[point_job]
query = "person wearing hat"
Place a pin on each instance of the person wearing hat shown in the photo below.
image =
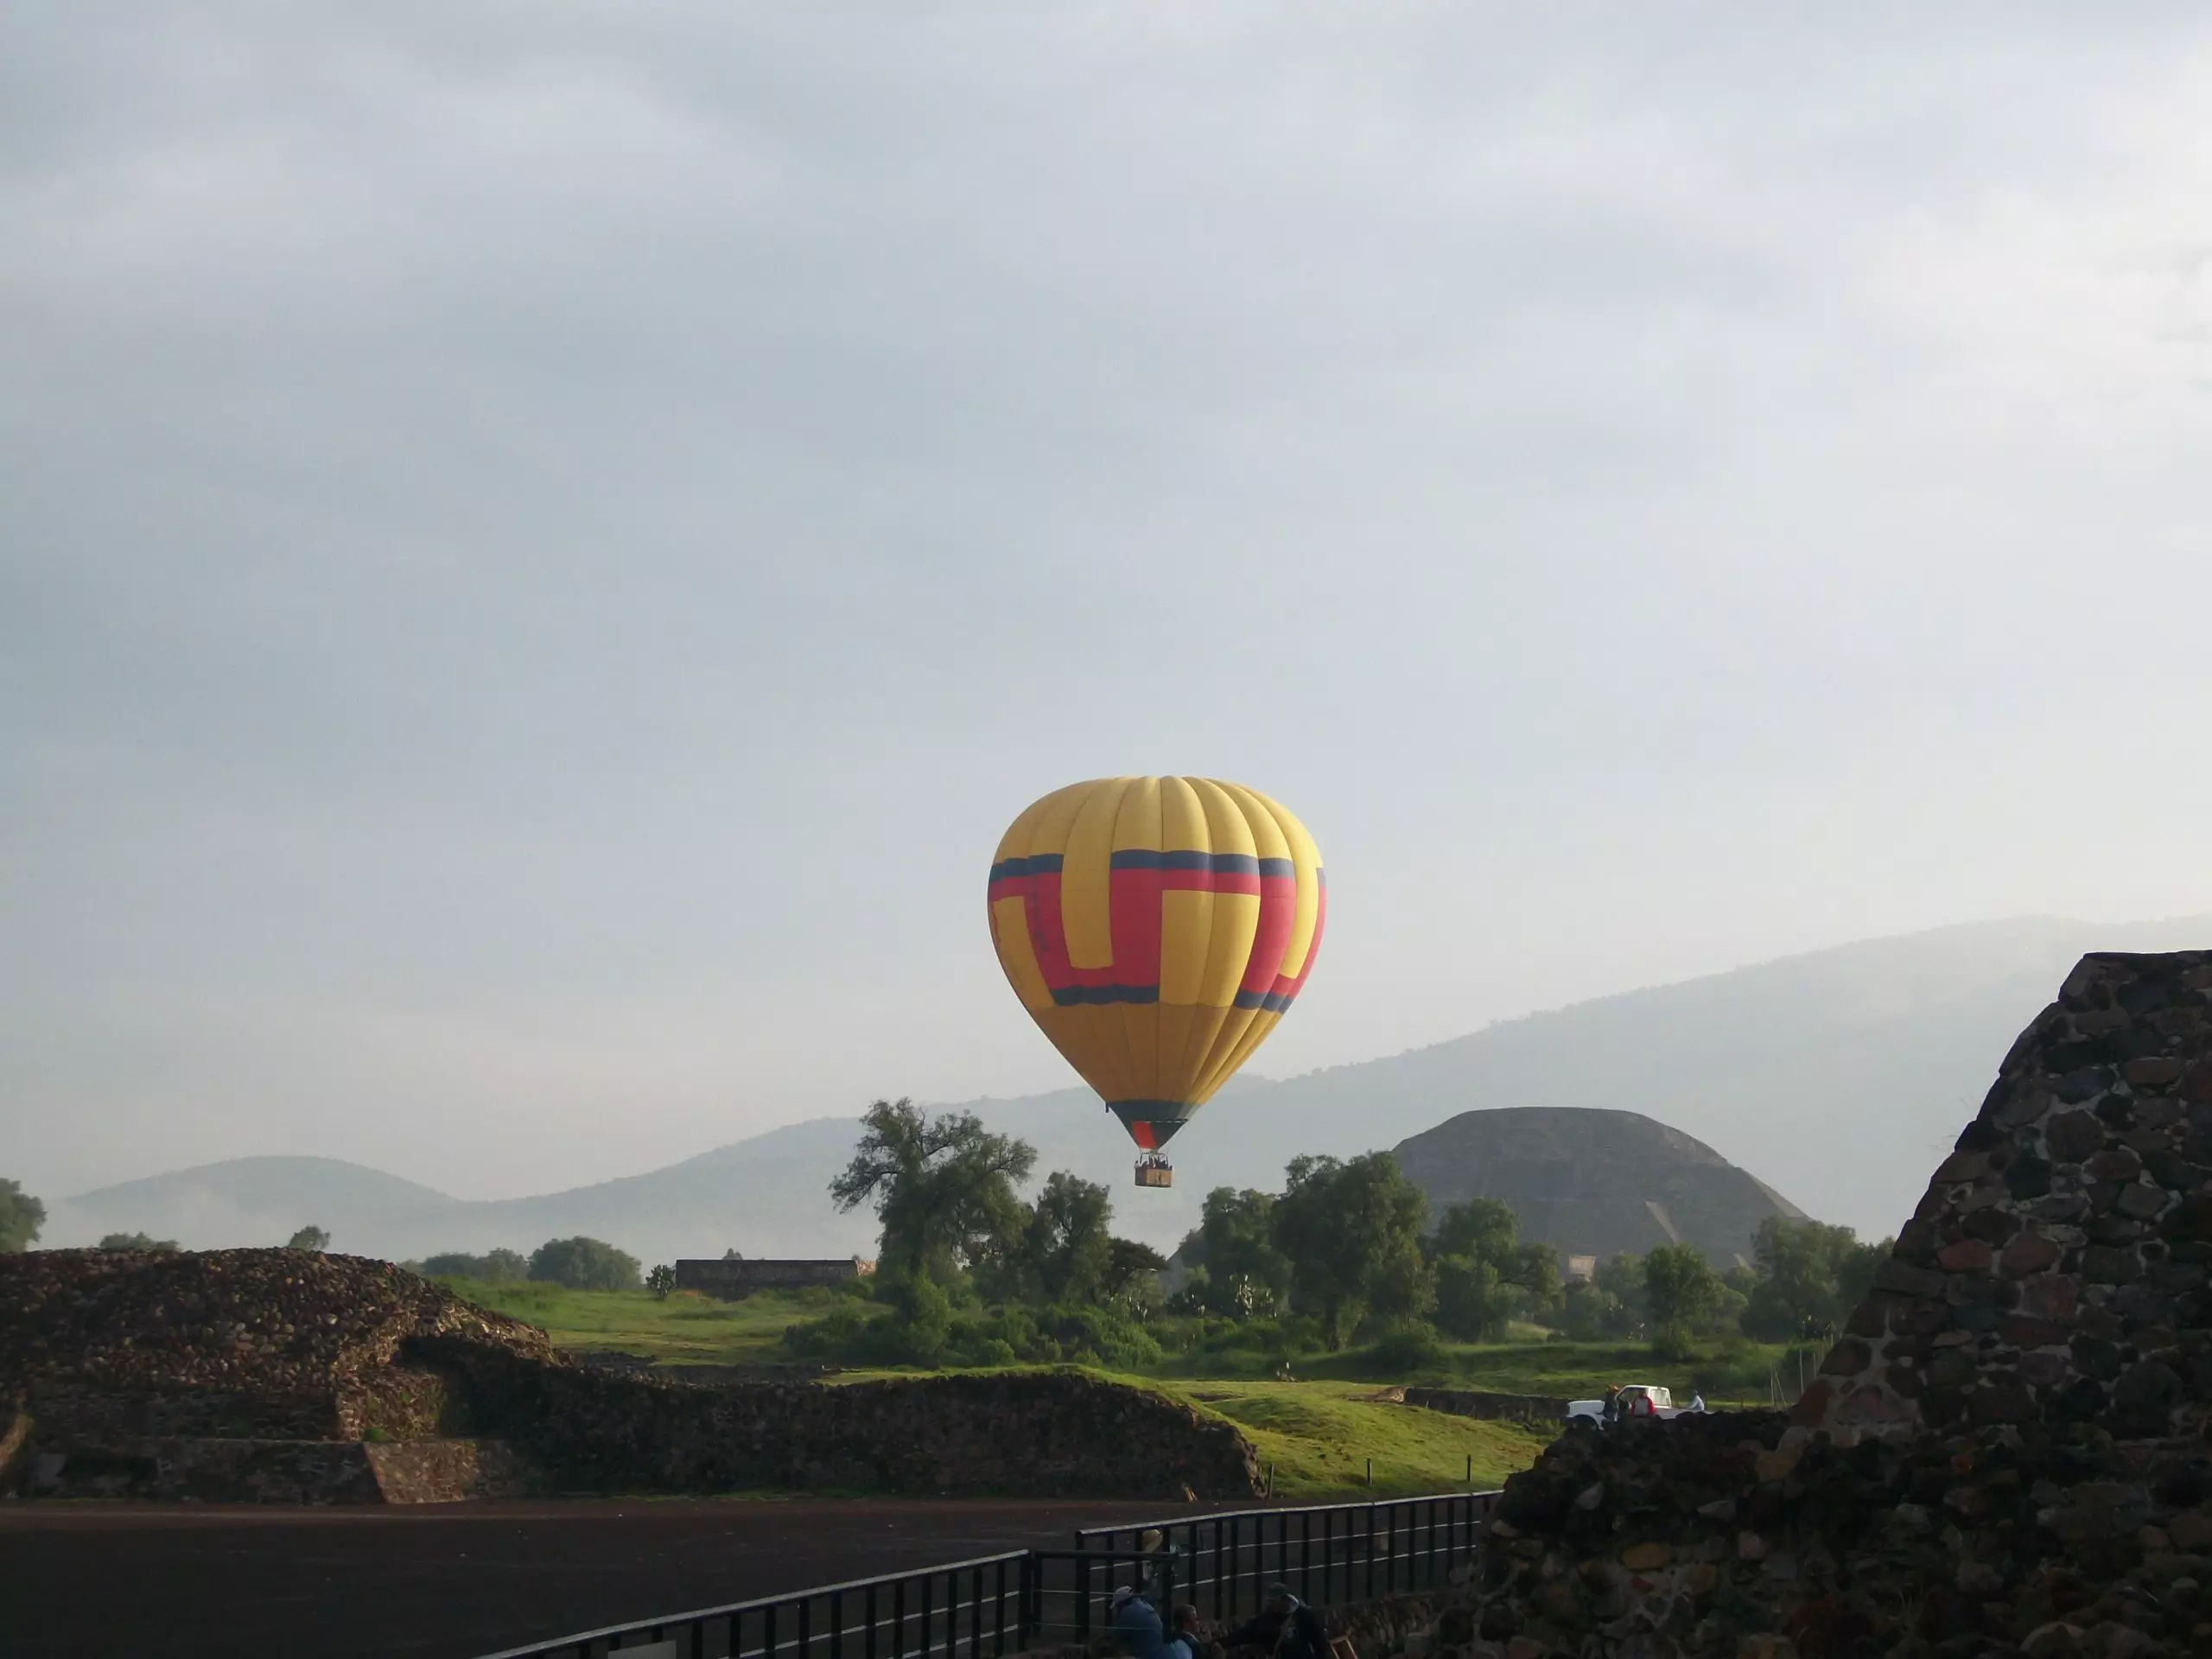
(1285, 1627)
(1134, 1625)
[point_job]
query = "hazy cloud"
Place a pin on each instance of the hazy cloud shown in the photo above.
(541, 544)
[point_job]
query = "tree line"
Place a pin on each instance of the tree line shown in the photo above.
(1349, 1244)
(23, 1218)
(1347, 1251)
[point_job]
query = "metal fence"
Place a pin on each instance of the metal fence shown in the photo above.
(1325, 1553)
(999, 1605)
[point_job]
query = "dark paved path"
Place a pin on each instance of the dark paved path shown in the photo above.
(100, 1581)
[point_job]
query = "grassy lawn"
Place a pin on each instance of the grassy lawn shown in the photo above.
(687, 1329)
(1318, 1432)
(1319, 1436)
(1732, 1374)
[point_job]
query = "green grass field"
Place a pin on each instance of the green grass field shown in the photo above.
(1318, 1432)
(687, 1329)
(1320, 1437)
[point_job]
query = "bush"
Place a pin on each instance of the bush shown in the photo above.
(661, 1281)
(309, 1238)
(494, 1267)
(1407, 1350)
(583, 1263)
(135, 1242)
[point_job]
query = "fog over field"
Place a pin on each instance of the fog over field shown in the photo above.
(540, 548)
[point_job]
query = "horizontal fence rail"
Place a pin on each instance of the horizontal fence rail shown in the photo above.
(1325, 1553)
(963, 1610)
(995, 1606)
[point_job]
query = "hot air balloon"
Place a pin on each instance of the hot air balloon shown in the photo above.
(1157, 929)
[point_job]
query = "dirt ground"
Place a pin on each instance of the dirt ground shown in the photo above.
(451, 1581)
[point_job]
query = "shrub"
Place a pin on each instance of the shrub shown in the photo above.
(661, 1281)
(1409, 1349)
(135, 1242)
(494, 1267)
(583, 1263)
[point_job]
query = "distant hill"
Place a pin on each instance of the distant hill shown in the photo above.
(1838, 1076)
(1595, 1182)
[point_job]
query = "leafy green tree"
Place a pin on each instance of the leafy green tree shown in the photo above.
(944, 1187)
(1351, 1232)
(493, 1267)
(1811, 1276)
(581, 1263)
(21, 1218)
(1062, 1251)
(1247, 1277)
(1484, 1274)
(309, 1238)
(1473, 1304)
(1127, 1262)
(135, 1242)
(661, 1282)
(1610, 1303)
(1680, 1288)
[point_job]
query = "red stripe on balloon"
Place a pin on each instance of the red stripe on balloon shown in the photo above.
(1133, 910)
(1278, 912)
(1285, 986)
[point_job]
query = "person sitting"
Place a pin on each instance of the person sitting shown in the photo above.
(1134, 1625)
(1285, 1627)
(1184, 1641)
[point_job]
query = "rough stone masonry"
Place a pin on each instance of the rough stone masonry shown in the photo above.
(2055, 1271)
(2006, 1451)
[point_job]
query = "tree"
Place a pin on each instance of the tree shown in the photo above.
(1127, 1262)
(21, 1218)
(1680, 1288)
(135, 1242)
(1247, 1276)
(661, 1281)
(583, 1263)
(944, 1187)
(1351, 1233)
(309, 1238)
(1811, 1276)
(1484, 1274)
(1062, 1252)
(493, 1267)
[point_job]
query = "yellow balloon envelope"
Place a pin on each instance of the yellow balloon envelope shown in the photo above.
(1157, 929)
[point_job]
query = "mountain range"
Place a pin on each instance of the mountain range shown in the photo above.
(1838, 1076)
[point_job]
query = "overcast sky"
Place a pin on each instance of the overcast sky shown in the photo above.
(542, 544)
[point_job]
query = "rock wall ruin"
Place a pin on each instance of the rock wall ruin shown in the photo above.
(2057, 1270)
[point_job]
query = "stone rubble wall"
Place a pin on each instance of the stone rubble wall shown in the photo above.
(2057, 1270)
(1739, 1535)
(314, 1472)
(1042, 1434)
(134, 1371)
(2005, 1453)
(1476, 1402)
(270, 1324)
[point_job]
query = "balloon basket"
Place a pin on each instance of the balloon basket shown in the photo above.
(1155, 1172)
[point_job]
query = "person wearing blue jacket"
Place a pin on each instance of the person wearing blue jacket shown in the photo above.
(1136, 1626)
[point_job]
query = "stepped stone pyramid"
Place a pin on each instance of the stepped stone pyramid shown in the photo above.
(2057, 1270)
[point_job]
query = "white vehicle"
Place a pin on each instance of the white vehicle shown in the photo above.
(1636, 1399)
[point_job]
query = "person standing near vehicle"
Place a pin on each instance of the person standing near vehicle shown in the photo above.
(1612, 1411)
